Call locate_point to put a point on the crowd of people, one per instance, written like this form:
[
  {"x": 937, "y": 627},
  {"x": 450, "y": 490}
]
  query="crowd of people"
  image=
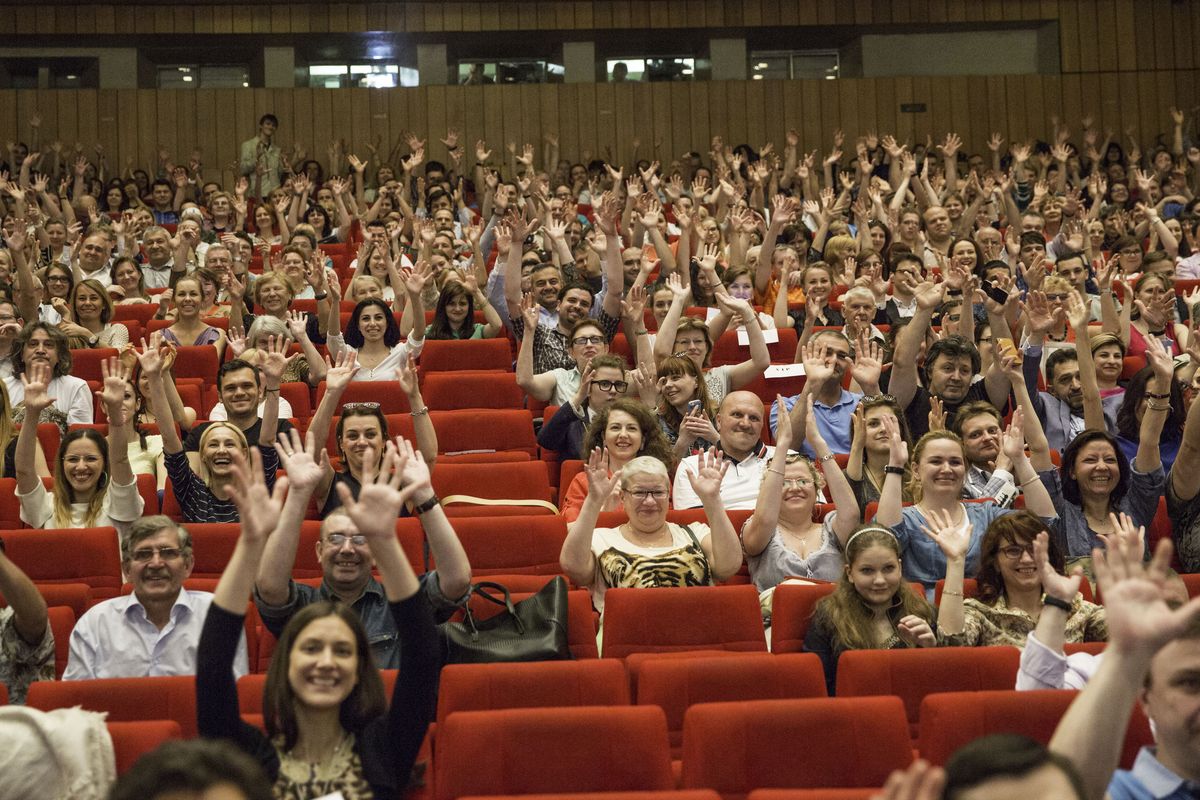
[{"x": 1000, "y": 385}]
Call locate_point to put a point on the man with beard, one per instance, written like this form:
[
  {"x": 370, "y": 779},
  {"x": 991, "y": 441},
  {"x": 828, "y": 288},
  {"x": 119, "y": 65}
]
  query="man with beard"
[
  {"x": 951, "y": 366},
  {"x": 1060, "y": 408},
  {"x": 989, "y": 470},
  {"x": 242, "y": 398},
  {"x": 155, "y": 630}
]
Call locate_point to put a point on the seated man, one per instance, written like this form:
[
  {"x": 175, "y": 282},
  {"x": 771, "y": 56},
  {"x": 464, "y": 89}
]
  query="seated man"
[
  {"x": 155, "y": 630},
  {"x": 26, "y": 642},
  {"x": 989, "y": 470},
  {"x": 346, "y": 561},
  {"x": 242, "y": 398},
  {"x": 1062, "y": 408},
  {"x": 739, "y": 424}
]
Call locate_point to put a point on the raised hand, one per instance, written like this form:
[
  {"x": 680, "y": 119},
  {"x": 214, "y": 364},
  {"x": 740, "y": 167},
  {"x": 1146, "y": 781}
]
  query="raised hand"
[
  {"x": 897, "y": 447},
  {"x": 406, "y": 376},
  {"x": 1159, "y": 359},
  {"x": 150, "y": 359},
  {"x": 379, "y": 502},
  {"x": 1038, "y": 314},
  {"x": 303, "y": 463},
  {"x": 916, "y": 632},
  {"x": 115, "y": 379},
  {"x": 815, "y": 368},
  {"x": 783, "y": 430},
  {"x": 236, "y": 339},
  {"x": 258, "y": 507},
  {"x": 1078, "y": 313},
  {"x": 339, "y": 373},
  {"x": 706, "y": 479},
  {"x": 600, "y": 483},
  {"x": 1139, "y": 619},
  {"x": 953, "y": 540},
  {"x": 868, "y": 362},
  {"x": 275, "y": 360},
  {"x": 937, "y": 414}
]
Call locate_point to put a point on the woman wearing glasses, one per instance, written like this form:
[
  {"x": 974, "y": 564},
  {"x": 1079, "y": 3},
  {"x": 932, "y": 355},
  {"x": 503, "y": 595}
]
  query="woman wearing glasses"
[
  {"x": 558, "y": 386},
  {"x": 1020, "y": 572},
  {"x": 648, "y": 551},
  {"x": 602, "y": 384},
  {"x": 781, "y": 539}
]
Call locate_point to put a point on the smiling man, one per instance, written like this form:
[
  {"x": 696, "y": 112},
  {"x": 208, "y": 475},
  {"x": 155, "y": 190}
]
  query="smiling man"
[
  {"x": 739, "y": 423},
  {"x": 155, "y": 630},
  {"x": 989, "y": 470},
  {"x": 242, "y": 398}
]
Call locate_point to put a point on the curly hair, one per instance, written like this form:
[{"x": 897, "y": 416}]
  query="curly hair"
[
  {"x": 1020, "y": 527},
  {"x": 654, "y": 443},
  {"x": 57, "y": 338}
]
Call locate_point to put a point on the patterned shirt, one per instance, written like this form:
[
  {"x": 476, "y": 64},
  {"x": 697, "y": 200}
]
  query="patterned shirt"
[
  {"x": 999, "y": 624},
  {"x": 551, "y": 350},
  {"x": 22, "y": 663}
]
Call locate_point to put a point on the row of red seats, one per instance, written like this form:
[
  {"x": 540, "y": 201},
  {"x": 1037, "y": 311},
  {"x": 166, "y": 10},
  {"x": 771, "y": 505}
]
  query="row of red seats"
[{"x": 738, "y": 723}]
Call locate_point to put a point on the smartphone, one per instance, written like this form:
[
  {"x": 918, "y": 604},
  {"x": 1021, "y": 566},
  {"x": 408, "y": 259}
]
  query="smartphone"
[
  {"x": 692, "y": 406},
  {"x": 994, "y": 292}
]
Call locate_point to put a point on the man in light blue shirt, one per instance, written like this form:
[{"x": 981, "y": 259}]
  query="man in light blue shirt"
[{"x": 155, "y": 630}]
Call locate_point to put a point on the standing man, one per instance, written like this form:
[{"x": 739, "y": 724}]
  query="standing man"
[{"x": 262, "y": 158}]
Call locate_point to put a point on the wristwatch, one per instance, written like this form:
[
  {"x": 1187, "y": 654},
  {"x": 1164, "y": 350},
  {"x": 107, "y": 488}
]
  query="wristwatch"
[
  {"x": 1057, "y": 602},
  {"x": 428, "y": 505}
]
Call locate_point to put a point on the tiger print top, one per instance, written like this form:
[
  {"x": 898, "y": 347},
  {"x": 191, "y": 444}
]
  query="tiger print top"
[{"x": 621, "y": 563}]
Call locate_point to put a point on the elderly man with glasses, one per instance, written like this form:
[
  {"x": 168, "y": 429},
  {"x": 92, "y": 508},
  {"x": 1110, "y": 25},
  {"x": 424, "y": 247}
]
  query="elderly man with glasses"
[{"x": 155, "y": 630}]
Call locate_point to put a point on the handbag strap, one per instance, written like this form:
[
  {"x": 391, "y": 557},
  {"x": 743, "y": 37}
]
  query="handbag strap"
[
  {"x": 481, "y": 589},
  {"x": 692, "y": 536},
  {"x": 489, "y": 501}
]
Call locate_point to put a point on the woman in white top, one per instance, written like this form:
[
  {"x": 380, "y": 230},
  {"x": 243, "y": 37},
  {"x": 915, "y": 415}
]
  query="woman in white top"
[
  {"x": 374, "y": 334},
  {"x": 88, "y": 321},
  {"x": 42, "y": 344},
  {"x": 648, "y": 551},
  {"x": 93, "y": 483}
]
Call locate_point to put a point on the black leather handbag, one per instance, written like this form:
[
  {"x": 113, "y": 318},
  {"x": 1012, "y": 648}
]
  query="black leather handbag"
[{"x": 534, "y": 629}]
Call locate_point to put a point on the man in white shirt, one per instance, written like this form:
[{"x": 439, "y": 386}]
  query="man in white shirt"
[
  {"x": 155, "y": 630},
  {"x": 739, "y": 423}
]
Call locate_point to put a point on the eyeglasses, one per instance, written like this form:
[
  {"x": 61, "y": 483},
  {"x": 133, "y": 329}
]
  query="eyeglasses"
[
  {"x": 877, "y": 398},
  {"x": 797, "y": 483},
  {"x": 578, "y": 340},
  {"x": 640, "y": 495},
  {"x": 1013, "y": 552},
  {"x": 360, "y": 407},
  {"x": 1056, "y": 298},
  {"x": 604, "y": 386},
  {"x": 56, "y": 279},
  {"x": 144, "y": 554},
  {"x": 339, "y": 539}
]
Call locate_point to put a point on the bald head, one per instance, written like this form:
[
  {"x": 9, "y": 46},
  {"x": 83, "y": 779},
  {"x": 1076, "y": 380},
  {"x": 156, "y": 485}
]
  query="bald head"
[{"x": 740, "y": 422}]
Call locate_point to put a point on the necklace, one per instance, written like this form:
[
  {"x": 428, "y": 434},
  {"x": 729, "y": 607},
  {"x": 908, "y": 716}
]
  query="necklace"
[
  {"x": 633, "y": 536},
  {"x": 801, "y": 542}
]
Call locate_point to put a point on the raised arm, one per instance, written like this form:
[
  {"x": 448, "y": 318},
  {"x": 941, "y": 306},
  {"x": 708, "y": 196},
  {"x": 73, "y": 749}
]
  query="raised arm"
[
  {"x": 274, "y": 362},
  {"x": 760, "y": 357},
  {"x": 891, "y": 498},
  {"x": 539, "y": 386},
  {"x": 576, "y": 557},
  {"x": 453, "y": 568},
  {"x": 259, "y": 509},
  {"x": 756, "y": 534},
  {"x": 783, "y": 212},
  {"x": 954, "y": 541},
  {"x": 664, "y": 343},
  {"x": 306, "y": 467},
  {"x": 22, "y": 596},
  {"x": 903, "y": 384},
  {"x": 1148, "y": 458},
  {"x": 151, "y": 364},
  {"x": 37, "y": 399},
  {"x": 849, "y": 516},
  {"x": 724, "y": 550},
  {"x": 1093, "y": 409},
  {"x": 116, "y": 377}
]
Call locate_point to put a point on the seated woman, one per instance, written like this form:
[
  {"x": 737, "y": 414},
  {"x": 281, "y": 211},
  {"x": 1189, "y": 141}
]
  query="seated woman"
[
  {"x": 873, "y": 607},
  {"x": 1132, "y": 412},
  {"x": 1019, "y": 573},
  {"x": 1096, "y": 478},
  {"x": 739, "y": 284},
  {"x": 362, "y": 429},
  {"x": 42, "y": 343},
  {"x": 190, "y": 329},
  {"x": 93, "y": 484},
  {"x": 648, "y": 551},
  {"x": 207, "y": 497},
  {"x": 780, "y": 538},
  {"x": 939, "y": 469},
  {"x": 308, "y": 367},
  {"x": 454, "y": 317},
  {"x": 870, "y": 448},
  {"x": 328, "y": 727},
  {"x": 88, "y": 321},
  {"x": 818, "y": 281},
  {"x": 623, "y": 430},
  {"x": 127, "y": 275},
  {"x": 146, "y": 450},
  {"x": 678, "y": 334},
  {"x": 686, "y": 413},
  {"x": 604, "y": 382},
  {"x": 374, "y": 336},
  {"x": 375, "y": 261},
  {"x": 210, "y": 289}
]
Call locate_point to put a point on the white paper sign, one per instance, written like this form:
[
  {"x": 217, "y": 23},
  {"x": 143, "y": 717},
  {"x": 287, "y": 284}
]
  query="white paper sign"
[
  {"x": 771, "y": 335},
  {"x": 784, "y": 371}
]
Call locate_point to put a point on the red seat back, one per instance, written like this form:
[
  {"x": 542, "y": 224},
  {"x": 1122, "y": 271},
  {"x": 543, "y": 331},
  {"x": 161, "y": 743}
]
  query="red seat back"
[
  {"x": 447, "y": 391},
  {"x": 516, "y": 481},
  {"x": 132, "y": 740},
  {"x": 499, "y": 430},
  {"x": 467, "y": 354},
  {"x": 386, "y": 393},
  {"x": 674, "y": 685},
  {"x": 791, "y": 612},
  {"x": 62, "y": 622},
  {"x": 71, "y": 555},
  {"x": 125, "y": 699},
  {"x": 552, "y": 750},
  {"x": 488, "y": 687},
  {"x": 948, "y": 721},
  {"x": 75, "y": 596},
  {"x": 86, "y": 363},
  {"x": 673, "y": 620},
  {"x": 833, "y": 742},
  {"x": 499, "y": 545}
]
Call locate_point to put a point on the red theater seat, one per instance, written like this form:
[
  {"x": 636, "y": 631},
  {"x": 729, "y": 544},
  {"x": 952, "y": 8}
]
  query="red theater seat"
[
  {"x": 132, "y": 740},
  {"x": 513, "y": 482},
  {"x": 448, "y": 391},
  {"x": 467, "y": 354},
  {"x": 552, "y": 750},
  {"x": 73, "y": 555},
  {"x": 125, "y": 699},
  {"x": 512, "y": 545},
  {"x": 674, "y": 620},
  {"x": 736, "y": 748}
]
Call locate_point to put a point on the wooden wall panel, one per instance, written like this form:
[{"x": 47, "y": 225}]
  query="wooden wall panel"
[{"x": 667, "y": 118}]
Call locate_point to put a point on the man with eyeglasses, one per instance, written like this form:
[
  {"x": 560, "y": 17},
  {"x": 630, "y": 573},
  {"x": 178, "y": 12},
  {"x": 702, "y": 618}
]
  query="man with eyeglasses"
[
  {"x": 346, "y": 558},
  {"x": 156, "y": 630}
]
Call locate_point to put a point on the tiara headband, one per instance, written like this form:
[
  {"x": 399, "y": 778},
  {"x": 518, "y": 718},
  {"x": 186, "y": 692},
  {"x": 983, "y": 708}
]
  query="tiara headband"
[{"x": 868, "y": 529}]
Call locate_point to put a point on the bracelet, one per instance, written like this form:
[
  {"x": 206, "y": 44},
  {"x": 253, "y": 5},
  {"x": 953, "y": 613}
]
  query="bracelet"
[
  {"x": 268, "y": 391},
  {"x": 778, "y": 472},
  {"x": 1031, "y": 480},
  {"x": 890, "y": 470},
  {"x": 640, "y": 333},
  {"x": 320, "y": 296},
  {"x": 952, "y": 594},
  {"x": 1159, "y": 396},
  {"x": 1153, "y": 407},
  {"x": 827, "y": 457},
  {"x": 428, "y": 505},
  {"x": 1056, "y": 602},
  {"x": 953, "y": 293},
  {"x": 420, "y": 412}
]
